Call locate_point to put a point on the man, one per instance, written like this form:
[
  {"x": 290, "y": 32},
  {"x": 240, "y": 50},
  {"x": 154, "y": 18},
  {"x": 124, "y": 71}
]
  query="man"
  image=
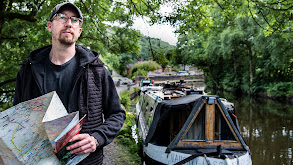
[{"x": 79, "y": 78}]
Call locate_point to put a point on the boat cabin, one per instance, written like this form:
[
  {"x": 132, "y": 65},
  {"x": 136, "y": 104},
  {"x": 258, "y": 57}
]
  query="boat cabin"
[{"x": 190, "y": 122}]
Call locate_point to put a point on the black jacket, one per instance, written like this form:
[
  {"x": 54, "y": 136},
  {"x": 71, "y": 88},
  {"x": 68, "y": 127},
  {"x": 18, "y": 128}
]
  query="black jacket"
[{"x": 93, "y": 93}]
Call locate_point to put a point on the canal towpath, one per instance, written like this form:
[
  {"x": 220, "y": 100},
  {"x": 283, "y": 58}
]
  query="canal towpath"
[{"x": 113, "y": 152}]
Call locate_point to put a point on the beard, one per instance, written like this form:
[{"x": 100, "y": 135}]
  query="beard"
[{"x": 67, "y": 40}]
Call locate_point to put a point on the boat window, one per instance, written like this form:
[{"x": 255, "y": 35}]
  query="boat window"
[
  {"x": 178, "y": 118},
  {"x": 222, "y": 130},
  {"x": 208, "y": 127},
  {"x": 176, "y": 123},
  {"x": 197, "y": 129}
]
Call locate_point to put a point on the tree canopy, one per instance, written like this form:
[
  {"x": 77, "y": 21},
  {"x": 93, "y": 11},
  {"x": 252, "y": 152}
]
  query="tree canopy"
[
  {"x": 23, "y": 29},
  {"x": 241, "y": 46}
]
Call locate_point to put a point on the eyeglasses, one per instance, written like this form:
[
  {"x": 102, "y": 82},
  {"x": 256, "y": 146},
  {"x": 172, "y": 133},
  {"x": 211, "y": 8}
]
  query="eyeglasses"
[{"x": 64, "y": 18}]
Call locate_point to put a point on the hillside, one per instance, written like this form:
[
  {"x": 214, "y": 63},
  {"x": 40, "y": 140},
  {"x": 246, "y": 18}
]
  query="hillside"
[{"x": 157, "y": 45}]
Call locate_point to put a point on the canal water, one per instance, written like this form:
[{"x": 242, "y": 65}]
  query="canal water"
[{"x": 267, "y": 128}]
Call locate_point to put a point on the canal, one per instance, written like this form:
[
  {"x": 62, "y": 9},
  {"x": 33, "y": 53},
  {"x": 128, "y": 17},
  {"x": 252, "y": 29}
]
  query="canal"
[{"x": 267, "y": 128}]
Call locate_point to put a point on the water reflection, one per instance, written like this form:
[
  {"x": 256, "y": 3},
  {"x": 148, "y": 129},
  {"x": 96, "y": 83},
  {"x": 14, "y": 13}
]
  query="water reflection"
[{"x": 267, "y": 128}]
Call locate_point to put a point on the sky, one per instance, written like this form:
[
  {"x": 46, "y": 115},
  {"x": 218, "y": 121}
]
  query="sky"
[{"x": 164, "y": 32}]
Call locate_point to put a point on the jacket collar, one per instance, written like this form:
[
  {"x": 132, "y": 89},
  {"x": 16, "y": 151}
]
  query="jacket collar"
[{"x": 86, "y": 55}]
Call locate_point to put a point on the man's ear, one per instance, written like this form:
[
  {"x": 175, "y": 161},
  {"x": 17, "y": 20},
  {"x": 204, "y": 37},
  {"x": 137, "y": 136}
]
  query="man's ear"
[
  {"x": 49, "y": 26},
  {"x": 79, "y": 32}
]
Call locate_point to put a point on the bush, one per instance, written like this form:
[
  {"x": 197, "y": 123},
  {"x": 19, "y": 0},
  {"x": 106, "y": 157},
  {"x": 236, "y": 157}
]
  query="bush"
[
  {"x": 142, "y": 68},
  {"x": 125, "y": 138},
  {"x": 125, "y": 99},
  {"x": 176, "y": 69},
  {"x": 280, "y": 89},
  {"x": 125, "y": 134}
]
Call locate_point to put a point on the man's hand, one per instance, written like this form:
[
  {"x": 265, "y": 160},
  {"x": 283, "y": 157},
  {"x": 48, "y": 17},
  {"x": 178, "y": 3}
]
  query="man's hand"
[{"x": 85, "y": 144}]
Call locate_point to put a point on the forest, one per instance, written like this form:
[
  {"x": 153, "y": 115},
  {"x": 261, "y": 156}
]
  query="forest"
[{"x": 241, "y": 45}]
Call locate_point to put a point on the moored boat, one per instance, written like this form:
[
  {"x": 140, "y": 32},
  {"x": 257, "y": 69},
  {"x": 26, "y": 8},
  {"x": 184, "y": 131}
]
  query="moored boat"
[{"x": 179, "y": 126}]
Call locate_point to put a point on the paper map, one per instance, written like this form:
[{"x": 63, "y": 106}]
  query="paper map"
[{"x": 23, "y": 138}]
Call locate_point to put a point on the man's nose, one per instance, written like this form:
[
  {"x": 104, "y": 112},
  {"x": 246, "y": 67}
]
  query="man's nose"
[{"x": 68, "y": 22}]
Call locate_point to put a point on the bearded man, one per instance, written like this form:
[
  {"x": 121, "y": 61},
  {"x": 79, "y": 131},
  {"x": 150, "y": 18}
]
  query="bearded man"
[{"x": 80, "y": 79}]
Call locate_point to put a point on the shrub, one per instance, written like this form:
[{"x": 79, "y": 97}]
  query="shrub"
[
  {"x": 142, "y": 68},
  {"x": 125, "y": 138},
  {"x": 125, "y": 99},
  {"x": 175, "y": 69},
  {"x": 280, "y": 89}
]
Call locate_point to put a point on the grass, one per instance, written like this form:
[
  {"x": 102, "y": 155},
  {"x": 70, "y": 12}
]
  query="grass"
[
  {"x": 123, "y": 156},
  {"x": 128, "y": 146}
]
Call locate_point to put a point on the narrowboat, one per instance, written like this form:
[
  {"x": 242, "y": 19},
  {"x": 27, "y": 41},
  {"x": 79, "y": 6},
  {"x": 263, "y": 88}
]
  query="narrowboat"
[{"x": 181, "y": 125}]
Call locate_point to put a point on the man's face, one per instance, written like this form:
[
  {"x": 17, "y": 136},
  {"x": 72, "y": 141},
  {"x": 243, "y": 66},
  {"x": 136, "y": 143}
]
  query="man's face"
[{"x": 64, "y": 33}]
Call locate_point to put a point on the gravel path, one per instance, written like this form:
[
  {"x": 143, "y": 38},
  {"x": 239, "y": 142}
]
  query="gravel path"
[
  {"x": 111, "y": 154},
  {"x": 114, "y": 155}
]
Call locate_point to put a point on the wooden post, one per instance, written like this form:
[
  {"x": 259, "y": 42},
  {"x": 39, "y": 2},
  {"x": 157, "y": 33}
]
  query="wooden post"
[{"x": 210, "y": 122}]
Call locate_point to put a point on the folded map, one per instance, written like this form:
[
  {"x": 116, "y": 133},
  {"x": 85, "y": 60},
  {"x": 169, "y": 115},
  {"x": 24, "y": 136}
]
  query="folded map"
[{"x": 37, "y": 131}]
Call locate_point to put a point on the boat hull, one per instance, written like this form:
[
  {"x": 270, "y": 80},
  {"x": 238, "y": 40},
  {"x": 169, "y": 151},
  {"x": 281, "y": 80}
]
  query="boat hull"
[{"x": 157, "y": 153}]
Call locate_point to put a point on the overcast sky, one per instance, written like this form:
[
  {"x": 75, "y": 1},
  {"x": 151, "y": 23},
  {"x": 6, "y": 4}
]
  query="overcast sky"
[{"x": 163, "y": 32}]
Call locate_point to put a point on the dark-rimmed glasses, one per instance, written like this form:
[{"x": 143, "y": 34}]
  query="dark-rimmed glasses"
[{"x": 64, "y": 18}]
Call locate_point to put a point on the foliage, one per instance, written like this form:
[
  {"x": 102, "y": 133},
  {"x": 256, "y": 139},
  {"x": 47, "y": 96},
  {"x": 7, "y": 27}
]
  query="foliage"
[
  {"x": 142, "y": 68},
  {"x": 149, "y": 47},
  {"x": 176, "y": 69},
  {"x": 161, "y": 59},
  {"x": 241, "y": 46},
  {"x": 125, "y": 138},
  {"x": 23, "y": 29},
  {"x": 158, "y": 50},
  {"x": 125, "y": 135},
  {"x": 280, "y": 89},
  {"x": 111, "y": 60},
  {"x": 125, "y": 98}
]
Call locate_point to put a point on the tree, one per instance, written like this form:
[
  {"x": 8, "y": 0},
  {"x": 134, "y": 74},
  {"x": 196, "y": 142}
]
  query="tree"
[
  {"x": 23, "y": 29},
  {"x": 142, "y": 68},
  {"x": 272, "y": 16},
  {"x": 161, "y": 59},
  {"x": 235, "y": 42}
]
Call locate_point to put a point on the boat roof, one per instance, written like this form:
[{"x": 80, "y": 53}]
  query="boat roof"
[
  {"x": 195, "y": 103},
  {"x": 183, "y": 100}
]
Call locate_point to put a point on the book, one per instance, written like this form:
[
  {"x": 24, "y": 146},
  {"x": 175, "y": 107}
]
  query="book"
[{"x": 37, "y": 132}]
